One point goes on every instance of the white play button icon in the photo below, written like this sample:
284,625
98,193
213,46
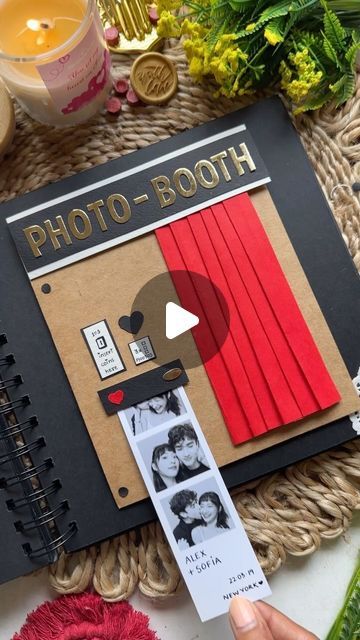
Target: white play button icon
178,320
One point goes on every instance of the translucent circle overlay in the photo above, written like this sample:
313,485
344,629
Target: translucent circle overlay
199,296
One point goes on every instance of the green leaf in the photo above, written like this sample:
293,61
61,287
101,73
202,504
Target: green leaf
275,11
344,88
331,52
281,8
277,27
351,54
314,102
241,5
334,31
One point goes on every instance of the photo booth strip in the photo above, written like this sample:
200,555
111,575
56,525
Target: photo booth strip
268,341
208,550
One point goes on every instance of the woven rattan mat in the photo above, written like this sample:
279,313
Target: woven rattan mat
290,512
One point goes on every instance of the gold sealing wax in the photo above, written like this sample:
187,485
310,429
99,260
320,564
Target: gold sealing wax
154,78
172,374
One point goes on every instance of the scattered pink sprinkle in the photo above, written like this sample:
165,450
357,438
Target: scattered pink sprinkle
153,15
121,86
113,105
112,36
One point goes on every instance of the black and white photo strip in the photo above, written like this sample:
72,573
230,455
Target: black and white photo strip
173,455
154,412
197,513
192,503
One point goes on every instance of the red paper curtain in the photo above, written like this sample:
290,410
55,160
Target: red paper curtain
268,372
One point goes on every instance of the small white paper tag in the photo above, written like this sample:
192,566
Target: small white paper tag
142,350
198,516
103,349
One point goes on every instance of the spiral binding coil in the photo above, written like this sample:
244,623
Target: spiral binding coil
53,546
31,472
49,516
10,382
27,475
18,428
6,360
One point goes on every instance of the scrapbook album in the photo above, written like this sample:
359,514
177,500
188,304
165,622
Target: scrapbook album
225,225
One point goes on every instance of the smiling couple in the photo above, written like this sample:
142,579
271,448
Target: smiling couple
178,459
199,519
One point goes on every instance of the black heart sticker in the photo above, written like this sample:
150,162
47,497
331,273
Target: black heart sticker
260,581
133,323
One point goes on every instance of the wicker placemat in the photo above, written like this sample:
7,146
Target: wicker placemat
290,512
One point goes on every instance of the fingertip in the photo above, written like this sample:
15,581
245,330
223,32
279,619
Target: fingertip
243,615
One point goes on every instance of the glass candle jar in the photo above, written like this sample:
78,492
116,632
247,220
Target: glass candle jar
54,58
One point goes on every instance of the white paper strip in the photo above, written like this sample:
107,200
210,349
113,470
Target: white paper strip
192,502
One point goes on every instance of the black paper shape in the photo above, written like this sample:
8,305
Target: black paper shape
132,324
147,385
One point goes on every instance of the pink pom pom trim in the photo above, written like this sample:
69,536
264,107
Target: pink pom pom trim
85,617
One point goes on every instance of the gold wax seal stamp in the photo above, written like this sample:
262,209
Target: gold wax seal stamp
133,20
153,78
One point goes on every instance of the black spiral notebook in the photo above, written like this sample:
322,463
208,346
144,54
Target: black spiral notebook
60,497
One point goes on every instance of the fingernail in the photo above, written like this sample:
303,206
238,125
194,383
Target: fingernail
242,615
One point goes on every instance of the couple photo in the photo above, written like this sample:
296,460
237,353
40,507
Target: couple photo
156,411
178,459
199,518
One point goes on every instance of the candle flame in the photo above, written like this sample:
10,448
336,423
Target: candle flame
43,25
34,25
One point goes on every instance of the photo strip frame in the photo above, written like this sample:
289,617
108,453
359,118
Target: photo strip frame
195,509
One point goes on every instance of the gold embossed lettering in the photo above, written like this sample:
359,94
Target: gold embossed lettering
202,179
60,231
165,194
219,159
95,207
191,188
76,216
238,160
36,237
125,208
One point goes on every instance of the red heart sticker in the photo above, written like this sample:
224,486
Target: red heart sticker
116,397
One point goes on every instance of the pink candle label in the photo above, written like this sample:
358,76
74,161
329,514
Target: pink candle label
77,77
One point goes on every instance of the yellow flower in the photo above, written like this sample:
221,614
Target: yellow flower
168,25
272,37
168,5
196,68
223,42
193,29
285,73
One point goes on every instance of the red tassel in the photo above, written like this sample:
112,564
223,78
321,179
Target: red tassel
85,617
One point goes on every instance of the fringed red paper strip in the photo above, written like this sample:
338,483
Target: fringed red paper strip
85,616
268,371
268,362
224,387
296,382
257,381
209,302
280,297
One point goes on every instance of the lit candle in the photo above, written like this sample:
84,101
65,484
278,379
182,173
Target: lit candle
54,58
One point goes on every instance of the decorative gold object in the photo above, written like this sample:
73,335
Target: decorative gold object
153,78
172,374
131,17
7,120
